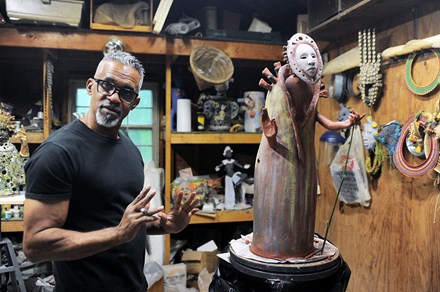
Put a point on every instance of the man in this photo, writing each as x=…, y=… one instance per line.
x=85, y=209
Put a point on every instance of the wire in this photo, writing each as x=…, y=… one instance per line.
x=339, y=191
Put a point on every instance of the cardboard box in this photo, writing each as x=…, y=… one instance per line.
x=195, y=261
x=55, y=12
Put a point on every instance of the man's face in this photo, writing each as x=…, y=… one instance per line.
x=306, y=59
x=249, y=102
x=109, y=111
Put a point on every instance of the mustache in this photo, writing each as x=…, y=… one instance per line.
x=110, y=106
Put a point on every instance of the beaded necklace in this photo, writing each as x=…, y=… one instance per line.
x=370, y=80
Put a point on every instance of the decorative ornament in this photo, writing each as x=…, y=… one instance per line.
x=7, y=121
x=370, y=77
x=375, y=169
x=418, y=170
x=389, y=137
x=370, y=128
x=113, y=44
x=419, y=89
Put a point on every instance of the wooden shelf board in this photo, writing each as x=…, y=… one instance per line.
x=32, y=138
x=12, y=226
x=363, y=15
x=137, y=43
x=215, y=138
x=224, y=217
x=136, y=28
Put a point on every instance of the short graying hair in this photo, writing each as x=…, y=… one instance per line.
x=126, y=59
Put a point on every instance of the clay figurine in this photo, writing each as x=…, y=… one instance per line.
x=285, y=169
x=12, y=176
x=234, y=196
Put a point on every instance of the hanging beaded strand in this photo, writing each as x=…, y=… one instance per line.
x=370, y=76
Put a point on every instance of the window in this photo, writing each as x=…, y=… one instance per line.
x=141, y=125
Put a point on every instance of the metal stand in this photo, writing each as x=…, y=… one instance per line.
x=11, y=266
x=325, y=272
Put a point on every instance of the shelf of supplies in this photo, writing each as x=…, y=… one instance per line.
x=32, y=138
x=56, y=38
x=364, y=14
x=215, y=138
x=12, y=225
x=223, y=216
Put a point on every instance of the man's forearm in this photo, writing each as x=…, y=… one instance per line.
x=59, y=244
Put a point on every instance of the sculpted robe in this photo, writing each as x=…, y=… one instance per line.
x=285, y=174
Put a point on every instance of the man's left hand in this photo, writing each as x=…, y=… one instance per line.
x=180, y=216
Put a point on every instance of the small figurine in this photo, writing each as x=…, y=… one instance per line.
x=253, y=103
x=12, y=175
x=234, y=199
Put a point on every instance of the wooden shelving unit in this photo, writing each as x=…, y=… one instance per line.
x=32, y=138
x=215, y=138
x=223, y=216
x=12, y=225
x=362, y=15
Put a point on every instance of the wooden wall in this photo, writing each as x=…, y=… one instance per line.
x=394, y=245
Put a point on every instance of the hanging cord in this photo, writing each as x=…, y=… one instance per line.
x=329, y=222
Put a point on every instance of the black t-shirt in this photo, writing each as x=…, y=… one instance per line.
x=100, y=176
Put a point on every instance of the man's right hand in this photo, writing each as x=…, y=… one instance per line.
x=134, y=218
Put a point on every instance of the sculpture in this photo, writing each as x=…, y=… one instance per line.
x=285, y=168
x=12, y=176
x=234, y=196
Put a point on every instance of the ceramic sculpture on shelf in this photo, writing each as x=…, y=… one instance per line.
x=234, y=198
x=285, y=170
x=12, y=162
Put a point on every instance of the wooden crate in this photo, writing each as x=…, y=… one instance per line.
x=137, y=28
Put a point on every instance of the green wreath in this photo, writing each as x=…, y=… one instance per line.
x=412, y=86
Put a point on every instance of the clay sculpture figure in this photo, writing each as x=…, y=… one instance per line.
x=285, y=169
x=12, y=177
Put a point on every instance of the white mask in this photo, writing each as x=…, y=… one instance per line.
x=306, y=60
x=301, y=43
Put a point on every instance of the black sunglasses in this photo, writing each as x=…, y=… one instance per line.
x=108, y=88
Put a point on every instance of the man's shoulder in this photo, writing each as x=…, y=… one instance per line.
x=67, y=137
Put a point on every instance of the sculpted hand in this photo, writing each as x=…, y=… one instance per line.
x=354, y=118
x=270, y=128
x=137, y=214
x=270, y=77
x=21, y=134
x=322, y=91
x=180, y=216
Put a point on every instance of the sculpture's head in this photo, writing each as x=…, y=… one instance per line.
x=304, y=58
x=227, y=152
x=6, y=126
